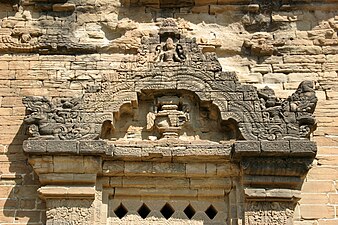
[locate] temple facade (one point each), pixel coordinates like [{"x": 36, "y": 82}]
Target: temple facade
[{"x": 168, "y": 112}]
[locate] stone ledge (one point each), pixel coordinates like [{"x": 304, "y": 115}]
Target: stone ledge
[
  {"x": 172, "y": 151},
  {"x": 260, "y": 194},
  {"x": 136, "y": 151},
  {"x": 67, "y": 178},
  {"x": 66, "y": 192},
  {"x": 300, "y": 148}
]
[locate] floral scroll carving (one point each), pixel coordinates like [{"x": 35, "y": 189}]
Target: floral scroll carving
[
  {"x": 269, "y": 213},
  {"x": 70, "y": 211}
]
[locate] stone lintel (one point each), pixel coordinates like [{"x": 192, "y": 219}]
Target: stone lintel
[
  {"x": 165, "y": 151},
  {"x": 301, "y": 148},
  {"x": 272, "y": 181},
  {"x": 171, "y": 150},
  {"x": 276, "y": 194},
  {"x": 67, "y": 178},
  {"x": 169, "y": 193},
  {"x": 50, "y": 191}
]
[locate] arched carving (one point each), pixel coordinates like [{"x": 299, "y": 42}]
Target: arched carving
[{"x": 170, "y": 62}]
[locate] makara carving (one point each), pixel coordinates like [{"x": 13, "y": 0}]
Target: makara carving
[{"x": 171, "y": 66}]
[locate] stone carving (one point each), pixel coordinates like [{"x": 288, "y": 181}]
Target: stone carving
[
  {"x": 169, "y": 52},
  {"x": 269, "y": 213},
  {"x": 295, "y": 111},
  {"x": 171, "y": 115},
  {"x": 169, "y": 64},
  {"x": 18, "y": 38},
  {"x": 70, "y": 211},
  {"x": 64, "y": 121}
]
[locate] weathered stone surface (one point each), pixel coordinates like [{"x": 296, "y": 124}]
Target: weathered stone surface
[
  {"x": 247, "y": 148},
  {"x": 100, "y": 103}
]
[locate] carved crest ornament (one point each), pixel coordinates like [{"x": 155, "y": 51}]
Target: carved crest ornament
[{"x": 172, "y": 102}]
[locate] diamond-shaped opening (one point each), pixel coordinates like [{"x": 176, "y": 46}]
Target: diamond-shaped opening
[
  {"x": 189, "y": 211},
  {"x": 143, "y": 211},
  {"x": 167, "y": 211},
  {"x": 211, "y": 212},
  {"x": 120, "y": 211}
]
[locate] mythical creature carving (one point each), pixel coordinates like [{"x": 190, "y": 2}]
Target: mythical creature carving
[
  {"x": 64, "y": 120},
  {"x": 295, "y": 111}
]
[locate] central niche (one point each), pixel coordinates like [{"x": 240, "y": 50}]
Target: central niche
[{"x": 169, "y": 114}]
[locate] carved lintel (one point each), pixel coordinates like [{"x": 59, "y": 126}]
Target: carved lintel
[{"x": 68, "y": 192}]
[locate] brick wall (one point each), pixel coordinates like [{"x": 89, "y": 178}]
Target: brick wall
[{"x": 278, "y": 48}]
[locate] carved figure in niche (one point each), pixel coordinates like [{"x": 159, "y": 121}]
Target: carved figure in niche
[
  {"x": 170, "y": 52},
  {"x": 169, "y": 117}
]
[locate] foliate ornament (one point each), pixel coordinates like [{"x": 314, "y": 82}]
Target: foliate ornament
[
  {"x": 70, "y": 211},
  {"x": 269, "y": 213},
  {"x": 63, "y": 120}
]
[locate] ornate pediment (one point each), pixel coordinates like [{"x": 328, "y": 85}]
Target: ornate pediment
[{"x": 154, "y": 88}]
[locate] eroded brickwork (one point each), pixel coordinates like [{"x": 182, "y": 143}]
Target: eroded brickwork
[{"x": 57, "y": 49}]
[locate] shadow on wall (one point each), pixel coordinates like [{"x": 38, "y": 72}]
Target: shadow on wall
[{"x": 19, "y": 184}]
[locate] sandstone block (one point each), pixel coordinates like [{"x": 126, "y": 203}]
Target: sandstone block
[
  {"x": 68, "y": 164},
  {"x": 138, "y": 167},
  {"x": 66, "y": 7},
  {"x": 172, "y": 169},
  {"x": 195, "y": 169},
  {"x": 64, "y": 146},
  {"x": 317, "y": 211},
  {"x": 313, "y": 198},
  {"x": 301, "y": 50},
  {"x": 247, "y": 147},
  {"x": 275, "y": 147},
  {"x": 323, "y": 173},
  {"x": 328, "y": 222},
  {"x": 275, "y": 78},
  {"x": 333, "y": 199},
  {"x": 113, "y": 167},
  {"x": 223, "y": 183}
]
